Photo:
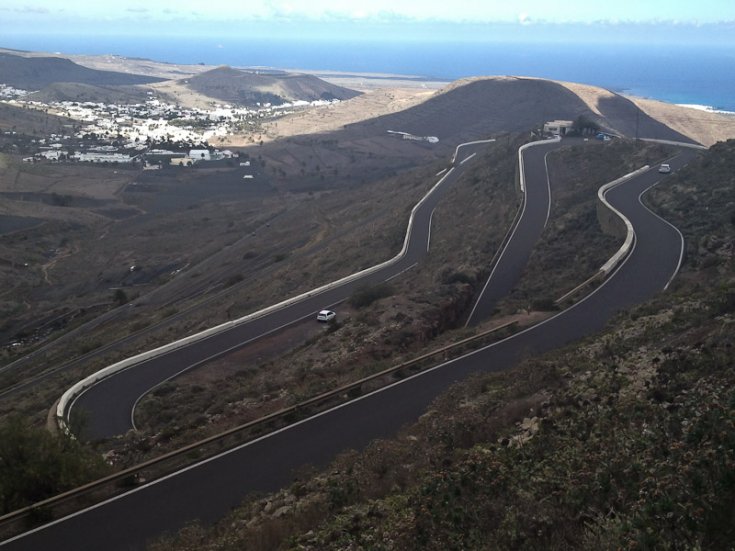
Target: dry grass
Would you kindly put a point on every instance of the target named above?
(373, 103)
(704, 127)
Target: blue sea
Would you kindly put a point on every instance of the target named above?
(701, 75)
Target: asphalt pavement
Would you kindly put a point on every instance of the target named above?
(209, 490)
(107, 407)
(513, 258)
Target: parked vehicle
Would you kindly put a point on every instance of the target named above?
(325, 315)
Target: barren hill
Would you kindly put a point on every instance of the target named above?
(704, 127)
(481, 107)
(74, 91)
(33, 73)
(247, 87)
(31, 121)
(464, 111)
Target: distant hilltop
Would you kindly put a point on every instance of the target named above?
(462, 110)
(35, 73)
(56, 78)
(249, 87)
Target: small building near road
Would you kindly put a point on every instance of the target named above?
(55, 155)
(103, 158)
(558, 127)
(200, 155)
(181, 161)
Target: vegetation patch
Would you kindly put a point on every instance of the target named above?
(365, 296)
(35, 465)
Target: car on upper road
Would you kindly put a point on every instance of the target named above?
(325, 315)
(664, 168)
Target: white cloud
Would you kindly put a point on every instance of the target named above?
(26, 9)
(474, 11)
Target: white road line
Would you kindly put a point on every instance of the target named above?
(442, 171)
(514, 228)
(548, 186)
(456, 150)
(402, 271)
(203, 361)
(467, 158)
(428, 239)
(681, 236)
(497, 263)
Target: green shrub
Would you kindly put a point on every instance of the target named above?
(544, 305)
(35, 465)
(459, 277)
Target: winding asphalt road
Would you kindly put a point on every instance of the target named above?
(108, 405)
(524, 235)
(210, 489)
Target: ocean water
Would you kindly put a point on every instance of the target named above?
(702, 75)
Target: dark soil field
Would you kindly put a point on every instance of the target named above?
(10, 224)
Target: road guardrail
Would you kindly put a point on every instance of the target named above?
(67, 399)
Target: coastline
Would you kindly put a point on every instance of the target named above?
(373, 71)
(706, 108)
(385, 92)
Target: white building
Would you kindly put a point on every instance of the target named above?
(181, 161)
(54, 155)
(103, 157)
(200, 155)
(558, 127)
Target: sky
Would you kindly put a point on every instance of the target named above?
(461, 20)
(520, 11)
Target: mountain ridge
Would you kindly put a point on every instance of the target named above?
(249, 87)
(34, 73)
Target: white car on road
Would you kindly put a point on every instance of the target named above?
(664, 168)
(325, 315)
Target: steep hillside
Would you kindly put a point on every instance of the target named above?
(31, 121)
(247, 88)
(482, 107)
(73, 91)
(33, 73)
(464, 111)
(625, 117)
(119, 63)
(623, 441)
